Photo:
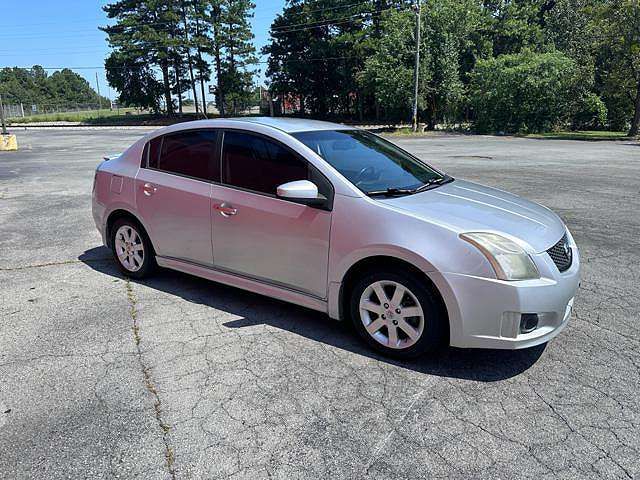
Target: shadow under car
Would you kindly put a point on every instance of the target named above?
(483, 365)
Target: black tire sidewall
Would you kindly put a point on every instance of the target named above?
(148, 263)
(433, 334)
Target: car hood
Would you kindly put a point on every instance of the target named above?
(469, 207)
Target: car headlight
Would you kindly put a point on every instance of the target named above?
(507, 258)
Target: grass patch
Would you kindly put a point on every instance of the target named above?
(585, 135)
(125, 117)
(84, 116)
(404, 132)
(408, 132)
(142, 119)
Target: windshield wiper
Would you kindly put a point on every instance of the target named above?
(392, 191)
(434, 181)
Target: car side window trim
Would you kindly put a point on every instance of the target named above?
(216, 155)
(286, 147)
(144, 161)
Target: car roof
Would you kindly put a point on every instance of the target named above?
(287, 125)
(291, 125)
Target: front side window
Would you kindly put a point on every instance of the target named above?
(369, 162)
(191, 153)
(255, 163)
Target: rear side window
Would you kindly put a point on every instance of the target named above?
(256, 163)
(154, 152)
(191, 153)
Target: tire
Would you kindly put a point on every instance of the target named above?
(132, 249)
(414, 335)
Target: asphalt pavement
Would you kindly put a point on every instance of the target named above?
(178, 377)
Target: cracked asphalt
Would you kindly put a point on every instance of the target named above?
(178, 377)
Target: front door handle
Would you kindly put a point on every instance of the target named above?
(149, 189)
(225, 209)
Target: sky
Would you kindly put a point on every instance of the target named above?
(64, 33)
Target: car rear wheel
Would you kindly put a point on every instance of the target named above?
(132, 249)
(396, 314)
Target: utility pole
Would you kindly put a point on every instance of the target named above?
(270, 102)
(4, 126)
(416, 73)
(99, 97)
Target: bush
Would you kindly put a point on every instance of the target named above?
(591, 113)
(525, 92)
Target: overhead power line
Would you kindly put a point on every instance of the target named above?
(102, 19)
(149, 24)
(281, 29)
(340, 7)
(91, 31)
(323, 23)
(261, 62)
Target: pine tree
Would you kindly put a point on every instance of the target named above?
(213, 11)
(145, 33)
(201, 40)
(188, 23)
(176, 37)
(239, 53)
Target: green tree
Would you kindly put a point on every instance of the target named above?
(287, 48)
(453, 43)
(525, 92)
(516, 24)
(148, 31)
(617, 24)
(61, 89)
(568, 28)
(201, 42)
(225, 35)
(176, 37)
(388, 71)
(318, 53)
(134, 80)
(239, 53)
(591, 113)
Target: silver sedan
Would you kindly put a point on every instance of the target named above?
(339, 220)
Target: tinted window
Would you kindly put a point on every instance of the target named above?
(153, 148)
(255, 163)
(367, 160)
(190, 153)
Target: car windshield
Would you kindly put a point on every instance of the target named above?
(369, 162)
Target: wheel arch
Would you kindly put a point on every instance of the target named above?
(378, 262)
(117, 214)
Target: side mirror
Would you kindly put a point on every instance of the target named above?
(302, 191)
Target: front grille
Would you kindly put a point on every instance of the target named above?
(561, 254)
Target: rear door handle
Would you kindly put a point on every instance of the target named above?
(149, 189)
(225, 209)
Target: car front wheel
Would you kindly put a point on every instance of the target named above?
(397, 314)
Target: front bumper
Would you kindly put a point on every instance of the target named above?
(485, 312)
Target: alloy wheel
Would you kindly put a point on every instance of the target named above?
(391, 314)
(129, 248)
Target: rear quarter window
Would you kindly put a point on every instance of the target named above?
(191, 153)
(152, 152)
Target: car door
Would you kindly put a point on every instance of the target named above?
(259, 235)
(173, 193)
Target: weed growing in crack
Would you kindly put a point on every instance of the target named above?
(148, 379)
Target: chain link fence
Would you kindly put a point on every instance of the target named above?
(47, 112)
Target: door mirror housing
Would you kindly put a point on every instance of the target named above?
(302, 191)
